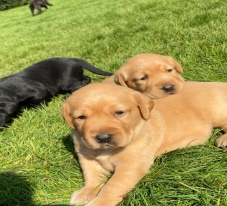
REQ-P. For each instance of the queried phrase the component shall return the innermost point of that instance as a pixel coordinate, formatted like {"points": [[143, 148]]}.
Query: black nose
{"points": [[103, 138], [168, 87]]}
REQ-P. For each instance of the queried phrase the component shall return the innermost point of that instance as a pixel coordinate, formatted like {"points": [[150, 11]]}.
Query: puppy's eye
{"points": [[144, 77], [82, 117], [169, 70], [119, 113]]}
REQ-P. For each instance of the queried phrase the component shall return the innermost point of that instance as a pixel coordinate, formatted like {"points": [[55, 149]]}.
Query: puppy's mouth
{"points": [[111, 145], [107, 146]]}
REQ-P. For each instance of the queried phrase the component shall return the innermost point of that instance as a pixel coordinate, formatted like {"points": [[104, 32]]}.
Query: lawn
{"points": [[38, 163]]}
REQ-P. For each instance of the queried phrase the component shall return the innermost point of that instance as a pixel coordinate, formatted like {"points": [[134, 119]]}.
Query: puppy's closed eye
{"points": [[169, 70], [119, 113], [81, 117], [145, 77]]}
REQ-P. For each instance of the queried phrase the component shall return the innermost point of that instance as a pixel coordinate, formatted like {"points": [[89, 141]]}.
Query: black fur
{"points": [[41, 81], [37, 4]]}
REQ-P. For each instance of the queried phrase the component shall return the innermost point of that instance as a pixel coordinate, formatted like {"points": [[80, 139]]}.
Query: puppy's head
{"points": [[154, 75], [107, 115]]}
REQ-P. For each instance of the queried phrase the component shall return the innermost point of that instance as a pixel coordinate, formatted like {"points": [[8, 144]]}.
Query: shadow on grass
{"points": [[69, 145], [15, 190]]}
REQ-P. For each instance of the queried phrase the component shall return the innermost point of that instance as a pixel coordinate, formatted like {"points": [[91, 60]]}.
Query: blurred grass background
{"points": [[38, 165]]}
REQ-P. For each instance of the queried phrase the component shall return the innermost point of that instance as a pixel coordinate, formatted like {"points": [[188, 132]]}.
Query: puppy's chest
{"points": [[105, 161]]}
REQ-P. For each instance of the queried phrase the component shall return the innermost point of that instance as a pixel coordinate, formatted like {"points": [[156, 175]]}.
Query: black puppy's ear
{"points": [[145, 104], [9, 107], [66, 115]]}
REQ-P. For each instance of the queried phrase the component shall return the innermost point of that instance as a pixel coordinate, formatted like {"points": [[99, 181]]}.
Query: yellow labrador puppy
{"points": [[155, 75], [115, 130]]}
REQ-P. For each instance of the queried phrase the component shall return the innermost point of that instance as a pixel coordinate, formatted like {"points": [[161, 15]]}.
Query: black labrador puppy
{"points": [[41, 81], [37, 4]]}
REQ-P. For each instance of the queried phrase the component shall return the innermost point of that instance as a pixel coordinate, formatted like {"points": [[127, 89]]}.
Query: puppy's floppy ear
{"points": [[66, 114], [120, 78], [145, 104], [177, 66]]}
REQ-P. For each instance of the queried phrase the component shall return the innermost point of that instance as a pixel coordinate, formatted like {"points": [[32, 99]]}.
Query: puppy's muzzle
{"points": [[104, 138], [168, 88]]}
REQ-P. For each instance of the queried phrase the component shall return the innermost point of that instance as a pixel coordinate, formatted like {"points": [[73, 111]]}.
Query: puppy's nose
{"points": [[168, 87], [103, 138]]}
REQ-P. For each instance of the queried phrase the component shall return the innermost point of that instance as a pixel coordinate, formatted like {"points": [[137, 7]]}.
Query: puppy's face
{"points": [[106, 115], [154, 75]]}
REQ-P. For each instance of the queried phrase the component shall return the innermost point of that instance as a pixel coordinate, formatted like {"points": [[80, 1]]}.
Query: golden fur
{"points": [[116, 130], [154, 75]]}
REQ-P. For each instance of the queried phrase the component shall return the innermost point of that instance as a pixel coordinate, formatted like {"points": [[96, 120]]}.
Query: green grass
{"points": [[38, 163]]}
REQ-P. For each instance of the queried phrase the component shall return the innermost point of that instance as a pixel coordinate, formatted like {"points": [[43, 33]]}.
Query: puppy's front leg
{"points": [[94, 177], [123, 180]]}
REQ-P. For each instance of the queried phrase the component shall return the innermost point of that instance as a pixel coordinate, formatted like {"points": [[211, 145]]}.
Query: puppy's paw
{"points": [[83, 196], [221, 141]]}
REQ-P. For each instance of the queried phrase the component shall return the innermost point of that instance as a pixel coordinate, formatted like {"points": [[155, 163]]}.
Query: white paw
{"points": [[84, 195], [222, 141], [78, 198]]}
